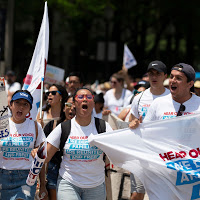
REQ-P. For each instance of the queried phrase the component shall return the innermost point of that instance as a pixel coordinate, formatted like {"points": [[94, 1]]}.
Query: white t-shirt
{"points": [[166, 108], [12, 87], [145, 99], [16, 149], [82, 164], [116, 105]]}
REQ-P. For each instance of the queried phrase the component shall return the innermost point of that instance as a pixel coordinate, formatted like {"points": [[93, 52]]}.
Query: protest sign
{"points": [[164, 155], [37, 164], [4, 119], [54, 75], [35, 74]]}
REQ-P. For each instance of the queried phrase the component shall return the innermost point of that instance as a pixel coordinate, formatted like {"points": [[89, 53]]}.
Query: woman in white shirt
{"points": [[15, 156], [81, 174], [117, 97]]}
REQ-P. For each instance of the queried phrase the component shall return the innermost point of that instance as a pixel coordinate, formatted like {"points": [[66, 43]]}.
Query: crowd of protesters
{"points": [[80, 172]]}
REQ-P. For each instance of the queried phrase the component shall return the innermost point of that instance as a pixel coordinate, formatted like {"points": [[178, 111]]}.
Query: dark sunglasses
{"points": [[80, 97], [53, 93], [181, 110]]}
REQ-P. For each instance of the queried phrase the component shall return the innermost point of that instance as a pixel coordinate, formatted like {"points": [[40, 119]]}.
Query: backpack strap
{"points": [[100, 125], [36, 131], [65, 131]]}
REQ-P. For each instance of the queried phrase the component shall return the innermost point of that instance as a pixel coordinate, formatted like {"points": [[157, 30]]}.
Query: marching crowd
{"points": [[74, 169]]}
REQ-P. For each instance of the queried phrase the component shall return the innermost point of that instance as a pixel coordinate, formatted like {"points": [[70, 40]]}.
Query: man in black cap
{"points": [[157, 73], [181, 101]]}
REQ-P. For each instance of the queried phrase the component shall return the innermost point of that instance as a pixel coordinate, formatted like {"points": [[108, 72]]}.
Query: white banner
{"points": [[115, 122], [54, 75], [4, 119], [128, 59], [36, 69], [163, 154]]}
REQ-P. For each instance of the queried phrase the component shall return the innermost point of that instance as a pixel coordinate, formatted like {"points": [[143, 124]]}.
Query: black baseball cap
{"points": [[188, 70], [158, 66], [142, 83]]}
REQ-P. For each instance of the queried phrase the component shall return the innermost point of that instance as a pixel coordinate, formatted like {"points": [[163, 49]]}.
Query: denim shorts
{"points": [[72, 192], [52, 175], [13, 185]]}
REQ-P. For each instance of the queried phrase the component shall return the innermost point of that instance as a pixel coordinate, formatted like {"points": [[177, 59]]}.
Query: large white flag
{"points": [[165, 155], [128, 59], [38, 63]]}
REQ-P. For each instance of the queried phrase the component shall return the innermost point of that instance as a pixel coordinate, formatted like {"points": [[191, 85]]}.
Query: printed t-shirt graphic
{"points": [[82, 163], [17, 147], [145, 99], [166, 108]]}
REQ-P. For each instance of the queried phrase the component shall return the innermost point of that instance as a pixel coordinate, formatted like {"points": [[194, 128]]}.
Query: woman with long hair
{"points": [[56, 97], [116, 98]]}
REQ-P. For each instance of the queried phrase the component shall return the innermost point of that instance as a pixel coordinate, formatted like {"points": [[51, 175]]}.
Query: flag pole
{"points": [[41, 96]]}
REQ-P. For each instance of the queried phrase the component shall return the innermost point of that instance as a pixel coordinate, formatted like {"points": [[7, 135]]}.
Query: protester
{"points": [[180, 102], [53, 165], [56, 97], [16, 159], [116, 98], [75, 81], [140, 87], [81, 174], [157, 73], [99, 104], [11, 84], [197, 87]]}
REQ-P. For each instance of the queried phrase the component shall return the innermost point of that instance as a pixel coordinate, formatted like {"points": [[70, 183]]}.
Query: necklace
{"points": [[17, 129]]}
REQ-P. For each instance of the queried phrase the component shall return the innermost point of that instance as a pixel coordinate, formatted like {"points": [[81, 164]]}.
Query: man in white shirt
{"points": [[180, 102], [157, 72]]}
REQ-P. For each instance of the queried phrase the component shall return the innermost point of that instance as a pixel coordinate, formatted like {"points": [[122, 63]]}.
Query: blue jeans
{"points": [[52, 175], [13, 185], [66, 190]]}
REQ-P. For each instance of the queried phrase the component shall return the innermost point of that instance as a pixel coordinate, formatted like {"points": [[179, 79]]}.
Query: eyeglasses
{"points": [[53, 93], [136, 92], [68, 105], [80, 97], [181, 110]]}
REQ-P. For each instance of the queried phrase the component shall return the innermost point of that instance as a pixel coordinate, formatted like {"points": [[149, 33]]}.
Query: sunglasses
{"points": [[53, 93], [136, 92], [68, 105], [80, 97], [181, 110]]}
